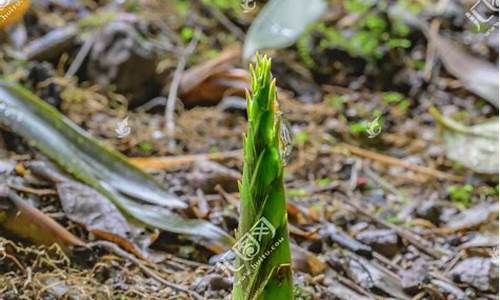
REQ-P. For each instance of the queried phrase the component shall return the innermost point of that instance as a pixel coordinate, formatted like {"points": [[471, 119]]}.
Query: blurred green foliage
{"points": [[372, 34], [187, 34], [301, 138], [301, 293], [234, 5], [461, 194], [336, 101], [396, 98]]}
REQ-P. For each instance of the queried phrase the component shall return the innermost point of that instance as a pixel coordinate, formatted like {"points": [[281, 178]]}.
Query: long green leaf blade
{"points": [[105, 170]]}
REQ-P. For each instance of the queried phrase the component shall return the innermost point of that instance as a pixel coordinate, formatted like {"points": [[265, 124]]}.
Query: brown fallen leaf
{"points": [[310, 235], [230, 82], [30, 223], [298, 213], [306, 261], [208, 82], [83, 205], [479, 76], [199, 73]]}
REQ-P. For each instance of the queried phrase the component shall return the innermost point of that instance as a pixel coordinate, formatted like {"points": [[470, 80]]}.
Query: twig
{"points": [[350, 284], [422, 244], [123, 254], [174, 87], [389, 160], [431, 52], [157, 101], [447, 284], [4, 255], [167, 163], [225, 195], [384, 184], [80, 57], [224, 21], [54, 41], [29, 190]]}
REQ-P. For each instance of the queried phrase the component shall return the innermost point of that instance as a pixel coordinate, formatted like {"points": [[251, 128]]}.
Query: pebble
{"points": [[480, 272], [384, 241]]}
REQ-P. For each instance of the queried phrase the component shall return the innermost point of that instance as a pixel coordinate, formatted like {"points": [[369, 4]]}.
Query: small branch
{"points": [[389, 160], [125, 255], [226, 22], [29, 190], [80, 57], [174, 87], [431, 51], [172, 162]]}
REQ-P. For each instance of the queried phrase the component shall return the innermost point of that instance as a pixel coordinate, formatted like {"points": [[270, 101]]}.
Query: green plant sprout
{"points": [[263, 251]]}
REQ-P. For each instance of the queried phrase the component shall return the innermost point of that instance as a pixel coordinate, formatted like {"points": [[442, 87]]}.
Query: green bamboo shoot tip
{"points": [[263, 249]]}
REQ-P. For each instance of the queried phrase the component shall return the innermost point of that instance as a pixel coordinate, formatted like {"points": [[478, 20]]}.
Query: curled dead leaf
{"points": [[30, 223]]}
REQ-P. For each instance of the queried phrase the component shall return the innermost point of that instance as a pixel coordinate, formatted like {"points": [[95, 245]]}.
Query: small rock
{"points": [[480, 272], [217, 282], [375, 197], [430, 210], [7, 166], [384, 241], [474, 216], [447, 214], [208, 174], [412, 279], [213, 282], [477, 239], [345, 241]]}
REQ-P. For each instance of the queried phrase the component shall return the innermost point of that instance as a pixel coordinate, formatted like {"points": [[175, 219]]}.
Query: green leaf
{"points": [[475, 147], [134, 192], [280, 24]]}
